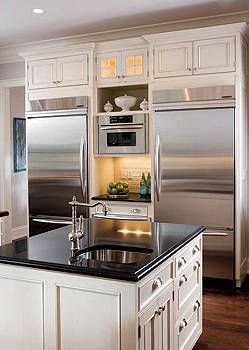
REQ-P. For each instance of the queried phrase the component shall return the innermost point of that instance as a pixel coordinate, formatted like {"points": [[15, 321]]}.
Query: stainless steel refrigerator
{"points": [[194, 168], [57, 160]]}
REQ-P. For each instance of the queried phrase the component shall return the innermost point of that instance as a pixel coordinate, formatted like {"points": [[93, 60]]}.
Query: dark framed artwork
{"points": [[19, 144]]}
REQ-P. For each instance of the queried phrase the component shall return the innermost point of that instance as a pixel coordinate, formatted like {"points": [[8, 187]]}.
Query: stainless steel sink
{"points": [[116, 255]]}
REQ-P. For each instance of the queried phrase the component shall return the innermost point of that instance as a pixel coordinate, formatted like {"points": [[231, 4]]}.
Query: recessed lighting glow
{"points": [[38, 11]]}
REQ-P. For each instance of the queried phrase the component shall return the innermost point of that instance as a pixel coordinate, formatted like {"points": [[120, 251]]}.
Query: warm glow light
{"points": [[38, 11], [134, 232]]}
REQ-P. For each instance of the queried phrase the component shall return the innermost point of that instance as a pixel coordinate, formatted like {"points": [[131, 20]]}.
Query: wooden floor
{"points": [[226, 319]]}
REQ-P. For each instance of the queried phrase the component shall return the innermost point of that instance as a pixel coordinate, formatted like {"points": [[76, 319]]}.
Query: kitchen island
{"points": [[143, 291]]}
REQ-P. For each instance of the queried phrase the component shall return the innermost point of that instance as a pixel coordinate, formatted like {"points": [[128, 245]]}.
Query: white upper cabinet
{"points": [[214, 55], [205, 56], [122, 66], [63, 71], [173, 60], [41, 74], [109, 67], [72, 70]]}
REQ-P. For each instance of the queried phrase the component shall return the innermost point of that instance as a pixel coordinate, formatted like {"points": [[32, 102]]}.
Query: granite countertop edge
{"points": [[111, 274]]}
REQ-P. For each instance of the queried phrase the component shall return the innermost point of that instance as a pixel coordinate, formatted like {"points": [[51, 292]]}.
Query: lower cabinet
{"points": [[46, 310], [155, 322]]}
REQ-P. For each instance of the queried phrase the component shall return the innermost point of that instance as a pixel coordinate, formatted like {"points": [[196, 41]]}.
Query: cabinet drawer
{"points": [[131, 210], [154, 284], [188, 284], [189, 327], [186, 255]]}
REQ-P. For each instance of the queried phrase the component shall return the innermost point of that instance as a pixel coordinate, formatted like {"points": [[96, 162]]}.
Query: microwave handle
{"points": [[114, 127]]}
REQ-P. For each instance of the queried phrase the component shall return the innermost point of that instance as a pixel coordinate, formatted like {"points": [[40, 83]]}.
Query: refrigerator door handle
{"points": [[157, 168], [83, 168], [215, 234]]}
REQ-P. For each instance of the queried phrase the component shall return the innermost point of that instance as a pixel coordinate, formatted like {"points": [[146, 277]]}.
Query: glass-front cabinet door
{"points": [[109, 67], [134, 64]]}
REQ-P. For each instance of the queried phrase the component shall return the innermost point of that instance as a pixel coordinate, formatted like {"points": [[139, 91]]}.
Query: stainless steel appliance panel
{"points": [[194, 166], [218, 254], [57, 161], [57, 104]]}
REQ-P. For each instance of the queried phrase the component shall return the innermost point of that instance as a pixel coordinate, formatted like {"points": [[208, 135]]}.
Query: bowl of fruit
{"points": [[118, 190]]}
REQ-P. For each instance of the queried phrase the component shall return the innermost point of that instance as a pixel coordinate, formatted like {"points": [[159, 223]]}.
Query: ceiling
{"points": [[72, 17]]}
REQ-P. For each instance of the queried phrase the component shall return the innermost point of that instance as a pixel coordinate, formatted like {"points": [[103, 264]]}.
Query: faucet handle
{"points": [[81, 223]]}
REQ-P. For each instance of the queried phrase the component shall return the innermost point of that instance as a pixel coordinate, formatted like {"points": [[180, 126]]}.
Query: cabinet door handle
{"points": [[183, 324], [182, 280], [181, 262], [197, 305], [196, 265], [157, 283], [196, 249]]}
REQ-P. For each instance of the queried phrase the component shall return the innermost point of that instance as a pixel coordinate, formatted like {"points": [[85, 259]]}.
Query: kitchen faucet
{"points": [[75, 235]]}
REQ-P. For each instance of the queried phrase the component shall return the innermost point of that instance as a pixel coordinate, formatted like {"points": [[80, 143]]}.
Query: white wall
{"points": [[14, 70], [19, 179]]}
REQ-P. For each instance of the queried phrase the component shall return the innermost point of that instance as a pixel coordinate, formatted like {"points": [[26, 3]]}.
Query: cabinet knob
{"points": [[190, 69], [196, 265], [162, 308], [196, 249], [183, 324], [182, 280], [197, 305], [118, 76], [181, 262], [157, 283], [123, 76], [54, 82], [195, 69]]}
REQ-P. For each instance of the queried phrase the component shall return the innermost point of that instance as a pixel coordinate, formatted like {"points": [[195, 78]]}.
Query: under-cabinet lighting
{"points": [[38, 11], [134, 232]]}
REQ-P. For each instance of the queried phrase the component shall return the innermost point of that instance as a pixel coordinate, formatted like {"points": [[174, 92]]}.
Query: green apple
{"points": [[112, 184], [114, 191], [125, 184]]}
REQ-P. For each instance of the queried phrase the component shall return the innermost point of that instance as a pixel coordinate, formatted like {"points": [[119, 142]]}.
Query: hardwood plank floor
{"points": [[225, 319]]}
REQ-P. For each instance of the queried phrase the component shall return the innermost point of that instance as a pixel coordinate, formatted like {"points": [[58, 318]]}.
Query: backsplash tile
{"points": [[130, 170]]}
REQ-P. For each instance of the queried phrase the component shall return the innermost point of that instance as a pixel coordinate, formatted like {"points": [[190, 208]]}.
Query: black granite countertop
{"points": [[51, 250], [132, 197]]}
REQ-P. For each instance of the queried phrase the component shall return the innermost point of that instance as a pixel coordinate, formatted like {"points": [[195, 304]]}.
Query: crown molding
{"points": [[10, 54]]}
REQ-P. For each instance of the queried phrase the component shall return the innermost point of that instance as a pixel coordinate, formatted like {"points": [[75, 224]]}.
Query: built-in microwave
{"points": [[123, 134]]}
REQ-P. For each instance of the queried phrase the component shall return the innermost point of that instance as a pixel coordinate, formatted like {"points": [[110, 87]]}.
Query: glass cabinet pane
{"points": [[108, 67], [134, 65]]}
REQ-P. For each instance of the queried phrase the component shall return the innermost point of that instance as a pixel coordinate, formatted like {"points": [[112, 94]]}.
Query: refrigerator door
{"points": [[194, 166], [57, 161]]}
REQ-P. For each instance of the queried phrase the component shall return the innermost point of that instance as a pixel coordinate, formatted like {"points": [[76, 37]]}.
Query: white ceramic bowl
{"points": [[125, 102]]}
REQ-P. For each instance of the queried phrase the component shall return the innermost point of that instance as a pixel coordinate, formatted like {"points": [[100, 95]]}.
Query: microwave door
{"points": [[128, 139]]}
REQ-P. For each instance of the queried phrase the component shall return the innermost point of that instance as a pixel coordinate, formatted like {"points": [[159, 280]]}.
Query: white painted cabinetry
{"points": [[173, 60], [46, 310], [216, 55], [54, 72], [121, 66]]}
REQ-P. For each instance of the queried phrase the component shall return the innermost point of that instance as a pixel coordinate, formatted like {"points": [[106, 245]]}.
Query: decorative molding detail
{"points": [[11, 53]]}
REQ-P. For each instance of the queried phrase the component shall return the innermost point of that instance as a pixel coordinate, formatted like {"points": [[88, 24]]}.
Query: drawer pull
{"points": [[196, 265], [157, 283], [162, 308], [183, 324], [135, 211], [181, 262], [197, 305], [196, 249], [182, 280]]}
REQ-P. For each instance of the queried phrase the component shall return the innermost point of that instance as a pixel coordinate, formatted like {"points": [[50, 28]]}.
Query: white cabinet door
{"points": [[88, 319], [149, 325], [42, 74], [214, 55], [109, 67], [173, 60], [165, 332], [134, 65], [72, 70]]}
